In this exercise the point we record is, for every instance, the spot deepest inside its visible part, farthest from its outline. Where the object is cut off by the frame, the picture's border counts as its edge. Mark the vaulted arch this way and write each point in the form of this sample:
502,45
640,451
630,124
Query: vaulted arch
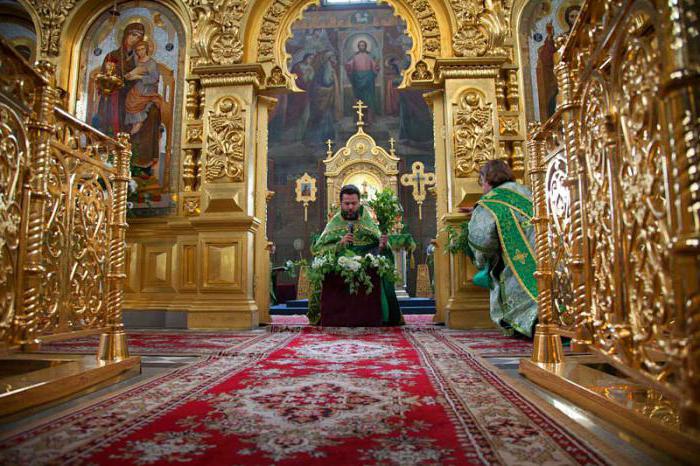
269,26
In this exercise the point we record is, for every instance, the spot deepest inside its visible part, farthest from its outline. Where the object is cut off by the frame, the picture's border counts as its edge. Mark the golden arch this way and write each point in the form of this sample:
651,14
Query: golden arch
269,25
76,26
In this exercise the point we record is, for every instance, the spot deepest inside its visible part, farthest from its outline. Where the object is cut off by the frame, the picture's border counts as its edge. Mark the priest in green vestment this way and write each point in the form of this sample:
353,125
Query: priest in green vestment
502,247
353,231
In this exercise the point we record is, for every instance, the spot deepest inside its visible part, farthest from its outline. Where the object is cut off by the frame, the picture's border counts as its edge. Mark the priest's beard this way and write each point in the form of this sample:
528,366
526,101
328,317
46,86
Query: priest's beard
350,215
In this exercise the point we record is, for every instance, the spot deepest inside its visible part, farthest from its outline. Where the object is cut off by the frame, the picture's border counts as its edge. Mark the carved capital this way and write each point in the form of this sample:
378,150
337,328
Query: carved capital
216,31
481,29
52,14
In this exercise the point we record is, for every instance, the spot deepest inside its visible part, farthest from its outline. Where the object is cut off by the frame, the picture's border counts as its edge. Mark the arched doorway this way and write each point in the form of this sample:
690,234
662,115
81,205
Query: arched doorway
340,52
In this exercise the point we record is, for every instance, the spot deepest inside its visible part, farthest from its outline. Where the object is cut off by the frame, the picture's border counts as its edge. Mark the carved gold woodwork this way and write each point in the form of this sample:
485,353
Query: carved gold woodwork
360,158
192,99
225,141
216,31
623,227
52,14
63,271
188,170
473,132
547,342
194,133
481,30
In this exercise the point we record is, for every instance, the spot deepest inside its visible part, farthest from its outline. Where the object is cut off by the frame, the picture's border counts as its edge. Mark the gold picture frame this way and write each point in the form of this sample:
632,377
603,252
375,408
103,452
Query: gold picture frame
306,192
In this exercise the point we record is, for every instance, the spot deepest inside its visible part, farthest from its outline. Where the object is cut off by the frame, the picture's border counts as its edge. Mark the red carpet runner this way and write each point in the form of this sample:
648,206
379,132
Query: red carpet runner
332,396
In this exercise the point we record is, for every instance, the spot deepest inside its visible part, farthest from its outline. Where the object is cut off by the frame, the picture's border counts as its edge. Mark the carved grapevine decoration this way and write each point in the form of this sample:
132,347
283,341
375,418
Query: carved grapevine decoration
474,142
225,141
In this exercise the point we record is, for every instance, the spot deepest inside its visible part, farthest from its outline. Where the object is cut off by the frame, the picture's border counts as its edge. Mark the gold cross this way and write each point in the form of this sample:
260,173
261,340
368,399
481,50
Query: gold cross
359,106
519,256
391,145
330,147
419,180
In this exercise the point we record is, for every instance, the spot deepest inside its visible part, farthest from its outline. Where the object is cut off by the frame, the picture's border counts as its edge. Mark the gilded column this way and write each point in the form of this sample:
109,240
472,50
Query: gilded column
471,118
262,252
548,347
41,129
681,119
441,272
113,344
230,226
569,108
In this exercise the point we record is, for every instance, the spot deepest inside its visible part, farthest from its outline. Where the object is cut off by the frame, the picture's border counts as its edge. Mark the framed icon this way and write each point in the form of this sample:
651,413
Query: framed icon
306,192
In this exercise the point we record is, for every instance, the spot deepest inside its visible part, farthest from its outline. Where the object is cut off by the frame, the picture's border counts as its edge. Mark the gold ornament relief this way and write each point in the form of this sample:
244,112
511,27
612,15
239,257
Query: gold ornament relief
216,31
480,30
474,139
52,14
194,133
225,141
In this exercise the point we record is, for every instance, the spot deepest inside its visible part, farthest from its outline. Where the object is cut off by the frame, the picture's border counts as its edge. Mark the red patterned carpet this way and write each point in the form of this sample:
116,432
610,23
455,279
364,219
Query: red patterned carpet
492,343
158,343
315,396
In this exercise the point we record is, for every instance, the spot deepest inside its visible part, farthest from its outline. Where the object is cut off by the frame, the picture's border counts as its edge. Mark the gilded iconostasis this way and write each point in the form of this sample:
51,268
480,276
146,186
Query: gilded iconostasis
131,78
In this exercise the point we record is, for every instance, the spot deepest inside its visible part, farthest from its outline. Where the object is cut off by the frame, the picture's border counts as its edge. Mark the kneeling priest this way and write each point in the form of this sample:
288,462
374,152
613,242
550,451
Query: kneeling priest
350,233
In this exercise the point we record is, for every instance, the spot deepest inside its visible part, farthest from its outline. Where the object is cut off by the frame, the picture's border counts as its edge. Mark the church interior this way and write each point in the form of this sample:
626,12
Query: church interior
174,227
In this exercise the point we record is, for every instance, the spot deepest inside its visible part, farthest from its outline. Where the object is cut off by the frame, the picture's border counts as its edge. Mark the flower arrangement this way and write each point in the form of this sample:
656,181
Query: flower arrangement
354,270
388,210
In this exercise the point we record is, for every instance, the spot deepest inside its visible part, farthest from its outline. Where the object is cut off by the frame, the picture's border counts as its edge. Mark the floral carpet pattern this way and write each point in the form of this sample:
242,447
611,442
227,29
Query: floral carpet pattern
313,396
160,343
492,343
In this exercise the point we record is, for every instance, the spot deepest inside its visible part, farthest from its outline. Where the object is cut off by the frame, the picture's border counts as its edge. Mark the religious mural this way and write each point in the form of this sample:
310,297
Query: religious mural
131,69
542,22
340,55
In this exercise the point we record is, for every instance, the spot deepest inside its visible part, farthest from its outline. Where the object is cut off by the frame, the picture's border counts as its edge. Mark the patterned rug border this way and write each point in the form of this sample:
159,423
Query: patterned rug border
158,378
555,416
521,388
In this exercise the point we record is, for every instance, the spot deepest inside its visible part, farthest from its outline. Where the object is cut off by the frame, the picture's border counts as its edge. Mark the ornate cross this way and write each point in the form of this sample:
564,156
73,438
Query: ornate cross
519,256
419,180
360,106
329,143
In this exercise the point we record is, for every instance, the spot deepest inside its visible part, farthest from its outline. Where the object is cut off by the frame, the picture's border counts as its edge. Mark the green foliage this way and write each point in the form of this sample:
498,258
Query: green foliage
387,208
458,239
402,241
292,267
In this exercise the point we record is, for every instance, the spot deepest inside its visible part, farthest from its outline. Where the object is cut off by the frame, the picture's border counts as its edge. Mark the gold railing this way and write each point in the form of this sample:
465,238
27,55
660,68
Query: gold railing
63,187
622,163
